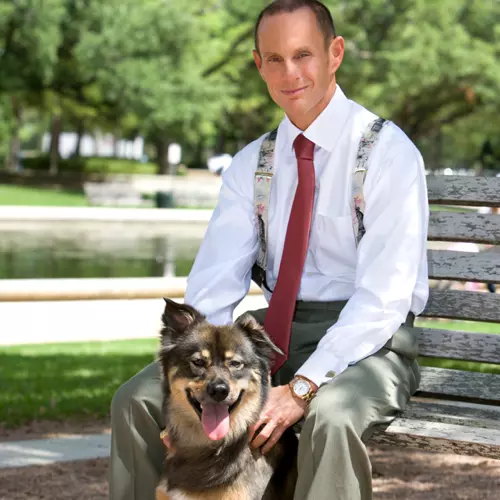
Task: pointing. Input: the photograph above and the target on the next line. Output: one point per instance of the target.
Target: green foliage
(183, 71)
(116, 166)
(426, 65)
(4, 129)
(91, 165)
(29, 42)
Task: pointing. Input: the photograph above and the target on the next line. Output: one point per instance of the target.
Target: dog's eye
(200, 363)
(235, 364)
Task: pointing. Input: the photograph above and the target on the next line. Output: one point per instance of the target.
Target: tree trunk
(162, 155)
(198, 160)
(221, 142)
(55, 134)
(15, 141)
(80, 132)
(116, 138)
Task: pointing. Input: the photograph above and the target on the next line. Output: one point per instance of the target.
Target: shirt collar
(325, 130)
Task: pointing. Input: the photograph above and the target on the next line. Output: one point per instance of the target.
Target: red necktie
(279, 316)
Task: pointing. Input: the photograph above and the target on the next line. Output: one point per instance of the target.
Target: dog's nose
(218, 390)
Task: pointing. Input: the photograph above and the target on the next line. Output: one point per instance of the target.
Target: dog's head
(215, 379)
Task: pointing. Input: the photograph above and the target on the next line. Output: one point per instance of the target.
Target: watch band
(307, 397)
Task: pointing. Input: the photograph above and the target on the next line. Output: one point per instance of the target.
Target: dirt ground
(398, 474)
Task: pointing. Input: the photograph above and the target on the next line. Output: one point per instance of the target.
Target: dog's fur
(194, 355)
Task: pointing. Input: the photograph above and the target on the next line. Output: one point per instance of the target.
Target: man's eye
(235, 364)
(304, 54)
(200, 363)
(273, 59)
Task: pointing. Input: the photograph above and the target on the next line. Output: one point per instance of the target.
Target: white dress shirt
(383, 279)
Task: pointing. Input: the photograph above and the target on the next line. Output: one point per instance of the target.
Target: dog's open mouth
(214, 417)
(198, 408)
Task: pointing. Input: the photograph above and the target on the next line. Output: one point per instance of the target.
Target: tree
(426, 65)
(29, 37)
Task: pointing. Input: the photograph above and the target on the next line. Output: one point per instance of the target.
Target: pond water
(101, 251)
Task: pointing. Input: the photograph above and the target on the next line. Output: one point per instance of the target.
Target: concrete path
(102, 214)
(99, 320)
(49, 451)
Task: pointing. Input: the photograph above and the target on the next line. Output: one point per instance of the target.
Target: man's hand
(281, 411)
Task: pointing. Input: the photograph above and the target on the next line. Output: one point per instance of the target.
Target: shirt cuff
(321, 367)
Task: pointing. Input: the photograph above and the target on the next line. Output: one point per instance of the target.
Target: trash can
(164, 199)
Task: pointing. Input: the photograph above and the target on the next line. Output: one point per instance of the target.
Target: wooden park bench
(112, 193)
(457, 411)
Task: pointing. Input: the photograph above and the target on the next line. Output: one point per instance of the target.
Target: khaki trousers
(333, 460)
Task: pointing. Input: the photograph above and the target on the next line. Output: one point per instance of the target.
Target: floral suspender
(262, 190)
(366, 144)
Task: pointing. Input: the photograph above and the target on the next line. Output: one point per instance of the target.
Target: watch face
(301, 387)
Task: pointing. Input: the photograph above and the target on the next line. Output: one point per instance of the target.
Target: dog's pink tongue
(215, 420)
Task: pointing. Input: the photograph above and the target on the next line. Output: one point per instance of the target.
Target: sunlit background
(117, 119)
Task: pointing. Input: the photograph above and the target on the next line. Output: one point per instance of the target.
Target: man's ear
(256, 333)
(337, 48)
(177, 319)
(258, 60)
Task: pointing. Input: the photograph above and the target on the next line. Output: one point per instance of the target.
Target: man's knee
(334, 412)
(134, 391)
(122, 399)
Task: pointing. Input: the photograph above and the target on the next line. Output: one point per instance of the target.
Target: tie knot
(304, 148)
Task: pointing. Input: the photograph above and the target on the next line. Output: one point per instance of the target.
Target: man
(351, 362)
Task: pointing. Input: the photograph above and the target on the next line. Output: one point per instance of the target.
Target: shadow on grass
(57, 386)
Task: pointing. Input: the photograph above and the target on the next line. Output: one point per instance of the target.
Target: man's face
(298, 68)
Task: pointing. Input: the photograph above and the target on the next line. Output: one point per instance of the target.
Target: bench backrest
(482, 266)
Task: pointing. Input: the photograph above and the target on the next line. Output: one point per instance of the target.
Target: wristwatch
(302, 388)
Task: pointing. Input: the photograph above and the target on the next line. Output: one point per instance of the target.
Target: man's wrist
(303, 388)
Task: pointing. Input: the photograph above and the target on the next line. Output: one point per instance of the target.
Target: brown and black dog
(215, 383)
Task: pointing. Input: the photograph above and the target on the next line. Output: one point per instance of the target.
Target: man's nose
(291, 69)
(218, 390)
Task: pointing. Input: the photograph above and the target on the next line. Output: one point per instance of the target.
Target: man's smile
(294, 92)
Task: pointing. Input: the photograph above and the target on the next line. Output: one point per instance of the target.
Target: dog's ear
(256, 333)
(177, 318)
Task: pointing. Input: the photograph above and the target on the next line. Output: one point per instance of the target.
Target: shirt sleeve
(388, 261)
(221, 274)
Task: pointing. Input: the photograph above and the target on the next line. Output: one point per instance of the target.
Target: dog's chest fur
(251, 484)
(250, 477)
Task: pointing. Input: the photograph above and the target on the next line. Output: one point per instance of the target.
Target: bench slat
(472, 386)
(464, 266)
(468, 227)
(441, 438)
(464, 305)
(454, 344)
(454, 412)
(464, 190)
(445, 426)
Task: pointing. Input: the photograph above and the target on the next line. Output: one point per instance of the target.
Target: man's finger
(254, 428)
(275, 436)
(263, 435)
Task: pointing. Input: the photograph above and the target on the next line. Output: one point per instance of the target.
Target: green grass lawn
(466, 326)
(58, 381)
(28, 196)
